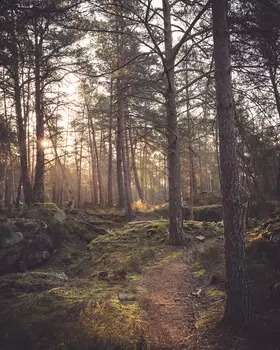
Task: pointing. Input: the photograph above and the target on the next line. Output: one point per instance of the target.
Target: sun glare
(45, 143)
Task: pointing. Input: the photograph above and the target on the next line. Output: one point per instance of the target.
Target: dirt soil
(172, 311)
(169, 308)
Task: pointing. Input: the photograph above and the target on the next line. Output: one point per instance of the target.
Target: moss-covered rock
(46, 212)
(208, 213)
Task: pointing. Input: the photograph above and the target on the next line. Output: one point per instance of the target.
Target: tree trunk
(80, 174)
(27, 190)
(99, 176)
(38, 187)
(126, 175)
(275, 89)
(120, 145)
(237, 309)
(110, 155)
(134, 168)
(173, 156)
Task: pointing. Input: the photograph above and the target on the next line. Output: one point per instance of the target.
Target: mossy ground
(262, 275)
(43, 310)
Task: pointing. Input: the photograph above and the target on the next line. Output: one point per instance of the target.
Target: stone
(42, 241)
(36, 258)
(11, 246)
(200, 238)
(103, 275)
(8, 236)
(126, 297)
(198, 293)
(61, 276)
(60, 216)
(9, 257)
(215, 279)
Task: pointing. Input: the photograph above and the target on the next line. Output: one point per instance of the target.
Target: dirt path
(169, 307)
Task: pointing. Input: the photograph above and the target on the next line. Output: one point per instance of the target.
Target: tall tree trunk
(190, 153)
(26, 185)
(93, 168)
(110, 155)
(18, 192)
(126, 176)
(134, 168)
(99, 175)
(127, 157)
(27, 189)
(173, 156)
(237, 309)
(38, 187)
(120, 145)
(272, 75)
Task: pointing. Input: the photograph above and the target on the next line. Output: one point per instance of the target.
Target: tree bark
(38, 187)
(237, 309)
(126, 175)
(26, 185)
(98, 166)
(25, 179)
(134, 168)
(119, 146)
(110, 155)
(275, 88)
(173, 155)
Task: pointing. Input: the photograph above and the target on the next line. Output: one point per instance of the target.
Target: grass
(84, 311)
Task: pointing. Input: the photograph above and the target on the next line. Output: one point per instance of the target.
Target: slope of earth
(124, 288)
(90, 295)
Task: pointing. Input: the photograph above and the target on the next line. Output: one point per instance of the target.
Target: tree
(237, 309)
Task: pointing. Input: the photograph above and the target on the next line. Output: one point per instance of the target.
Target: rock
(47, 212)
(126, 297)
(9, 258)
(186, 213)
(9, 237)
(42, 241)
(103, 275)
(208, 213)
(220, 224)
(11, 246)
(36, 258)
(118, 275)
(215, 279)
(61, 276)
(198, 293)
(200, 238)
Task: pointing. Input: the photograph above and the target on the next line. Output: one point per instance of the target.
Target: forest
(140, 174)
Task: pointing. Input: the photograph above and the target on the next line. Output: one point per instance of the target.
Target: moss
(130, 248)
(37, 303)
(85, 313)
(160, 210)
(207, 229)
(208, 213)
(113, 322)
(209, 316)
(215, 293)
(199, 273)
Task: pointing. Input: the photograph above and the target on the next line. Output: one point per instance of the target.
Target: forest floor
(178, 307)
(127, 289)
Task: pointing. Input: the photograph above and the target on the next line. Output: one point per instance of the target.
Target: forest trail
(170, 306)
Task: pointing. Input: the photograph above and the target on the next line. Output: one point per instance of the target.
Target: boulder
(46, 212)
(8, 236)
(35, 258)
(9, 257)
(11, 246)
